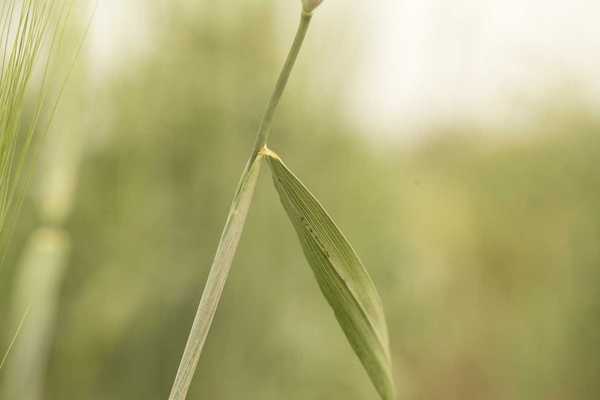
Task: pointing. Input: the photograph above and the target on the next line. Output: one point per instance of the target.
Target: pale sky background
(422, 60)
(466, 58)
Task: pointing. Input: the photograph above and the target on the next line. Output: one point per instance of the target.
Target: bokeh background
(457, 145)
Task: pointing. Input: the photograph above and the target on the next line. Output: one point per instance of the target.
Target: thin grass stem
(233, 229)
(265, 127)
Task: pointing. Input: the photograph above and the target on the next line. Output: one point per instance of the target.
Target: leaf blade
(341, 276)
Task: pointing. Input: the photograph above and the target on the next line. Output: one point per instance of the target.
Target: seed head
(310, 5)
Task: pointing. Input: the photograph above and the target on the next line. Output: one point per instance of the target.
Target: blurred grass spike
(38, 288)
(343, 279)
(30, 33)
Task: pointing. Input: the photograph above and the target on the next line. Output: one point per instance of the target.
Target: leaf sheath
(216, 279)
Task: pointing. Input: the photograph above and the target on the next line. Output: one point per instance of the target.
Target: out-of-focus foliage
(486, 257)
(27, 27)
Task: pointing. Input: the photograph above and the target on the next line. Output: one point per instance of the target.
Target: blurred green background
(483, 240)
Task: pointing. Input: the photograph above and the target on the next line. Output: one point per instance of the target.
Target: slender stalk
(233, 230)
(265, 127)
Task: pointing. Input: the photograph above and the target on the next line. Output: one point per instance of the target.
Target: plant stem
(233, 230)
(265, 127)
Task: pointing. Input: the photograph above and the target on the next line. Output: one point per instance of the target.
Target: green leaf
(343, 279)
